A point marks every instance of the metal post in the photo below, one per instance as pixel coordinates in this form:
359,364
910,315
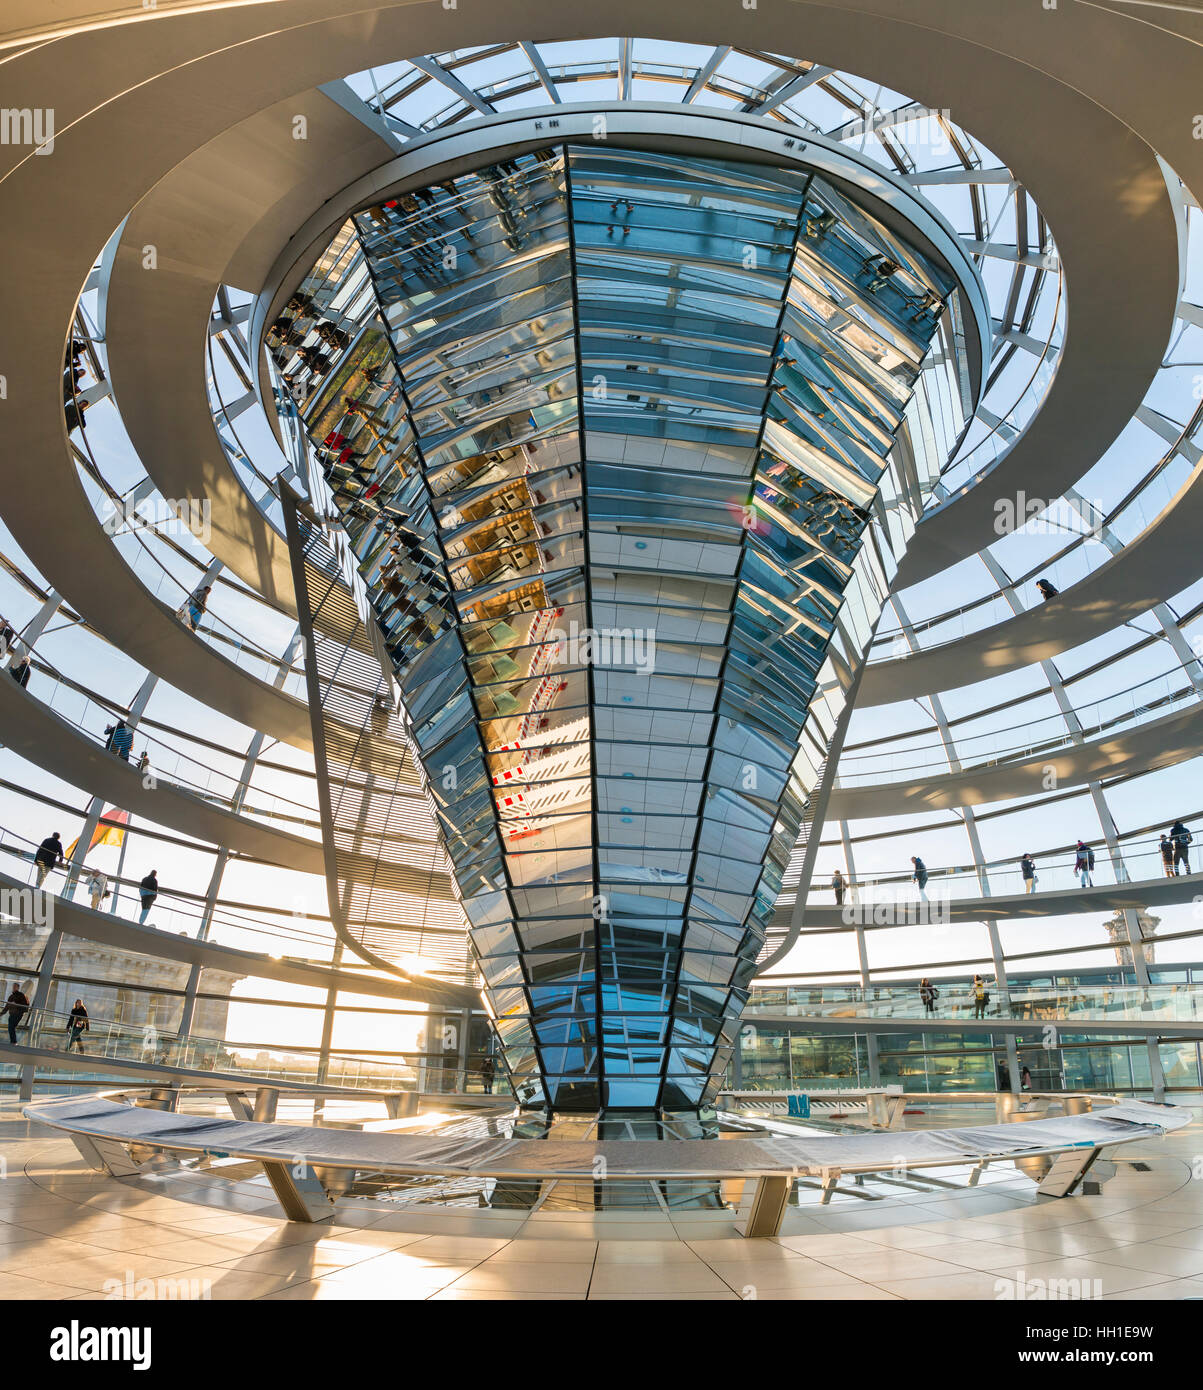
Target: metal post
323,1056
465,1028
862,954
36,626
96,806
46,968
1000,975
761,1213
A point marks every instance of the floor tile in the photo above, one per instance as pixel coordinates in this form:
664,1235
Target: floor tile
529,1278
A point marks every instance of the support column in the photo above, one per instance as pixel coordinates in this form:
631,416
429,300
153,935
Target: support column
862,952
1110,833
222,858
1000,976
36,626
96,806
465,1031
323,1056
1140,965
41,993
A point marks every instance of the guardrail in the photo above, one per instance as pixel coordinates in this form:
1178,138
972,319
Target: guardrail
1106,1003
146,1045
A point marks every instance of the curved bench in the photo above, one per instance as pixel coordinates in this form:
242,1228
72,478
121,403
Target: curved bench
770,1163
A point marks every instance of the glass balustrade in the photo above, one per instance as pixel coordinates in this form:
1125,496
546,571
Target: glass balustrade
1085,1003
69,702
1138,861
146,1045
1156,698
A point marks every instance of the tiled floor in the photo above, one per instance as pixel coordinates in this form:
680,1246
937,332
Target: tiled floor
69,1233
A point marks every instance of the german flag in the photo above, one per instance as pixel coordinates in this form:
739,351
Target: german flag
110,830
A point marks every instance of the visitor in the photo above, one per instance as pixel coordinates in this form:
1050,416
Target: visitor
49,853
144,763
1084,865
1025,1080
838,885
1027,867
980,997
197,602
74,411
1004,1077
98,888
16,1007
77,1026
381,710
881,268
119,739
1180,838
486,1074
1167,855
1047,590
819,227
919,877
149,888
19,671
928,993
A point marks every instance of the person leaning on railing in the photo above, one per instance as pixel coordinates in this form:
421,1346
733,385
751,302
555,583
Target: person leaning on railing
49,853
1180,838
149,891
16,1007
77,1025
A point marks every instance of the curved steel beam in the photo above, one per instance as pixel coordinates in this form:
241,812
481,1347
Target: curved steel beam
1160,743
110,930
219,218
1147,571
1156,892
35,732
189,79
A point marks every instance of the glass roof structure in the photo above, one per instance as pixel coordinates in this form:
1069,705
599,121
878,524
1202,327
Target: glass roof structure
923,771
997,217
